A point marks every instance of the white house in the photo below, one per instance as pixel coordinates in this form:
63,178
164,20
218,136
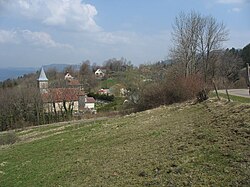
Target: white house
68,76
99,73
104,91
89,103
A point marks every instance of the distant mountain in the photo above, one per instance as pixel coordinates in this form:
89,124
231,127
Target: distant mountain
12,73
61,67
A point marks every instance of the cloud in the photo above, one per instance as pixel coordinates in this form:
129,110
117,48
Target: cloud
68,14
235,10
7,36
112,38
41,39
232,1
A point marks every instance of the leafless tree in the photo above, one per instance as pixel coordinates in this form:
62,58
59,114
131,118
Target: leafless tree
116,65
212,36
20,107
195,37
86,76
185,35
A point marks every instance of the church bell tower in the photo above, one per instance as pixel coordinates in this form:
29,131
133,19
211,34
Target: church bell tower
43,82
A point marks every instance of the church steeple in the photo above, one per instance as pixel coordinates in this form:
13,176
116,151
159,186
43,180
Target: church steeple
43,82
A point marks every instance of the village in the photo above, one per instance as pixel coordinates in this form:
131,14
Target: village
72,97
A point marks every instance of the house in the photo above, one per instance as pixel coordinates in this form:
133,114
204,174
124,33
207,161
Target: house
90,103
68,77
70,98
104,91
100,73
72,82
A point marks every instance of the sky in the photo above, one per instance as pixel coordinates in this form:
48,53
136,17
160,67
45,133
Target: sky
34,33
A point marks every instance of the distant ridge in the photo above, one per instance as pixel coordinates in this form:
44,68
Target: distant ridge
61,67
12,73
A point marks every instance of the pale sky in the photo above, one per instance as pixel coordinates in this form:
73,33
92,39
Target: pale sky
40,32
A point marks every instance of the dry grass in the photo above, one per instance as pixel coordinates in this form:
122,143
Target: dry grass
179,145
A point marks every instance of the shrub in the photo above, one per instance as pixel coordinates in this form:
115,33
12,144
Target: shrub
169,91
202,96
102,96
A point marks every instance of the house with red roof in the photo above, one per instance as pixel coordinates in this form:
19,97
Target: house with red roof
71,98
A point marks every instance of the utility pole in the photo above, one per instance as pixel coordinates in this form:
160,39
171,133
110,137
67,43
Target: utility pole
248,78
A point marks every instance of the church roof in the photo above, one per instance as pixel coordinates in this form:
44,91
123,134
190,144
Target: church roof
61,94
42,76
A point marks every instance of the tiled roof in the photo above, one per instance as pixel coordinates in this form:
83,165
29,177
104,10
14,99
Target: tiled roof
61,94
90,100
104,91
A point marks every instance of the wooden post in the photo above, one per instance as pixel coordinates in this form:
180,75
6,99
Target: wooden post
228,98
216,91
248,78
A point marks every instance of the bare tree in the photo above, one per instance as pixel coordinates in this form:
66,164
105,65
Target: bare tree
20,107
116,65
185,35
86,76
213,34
195,37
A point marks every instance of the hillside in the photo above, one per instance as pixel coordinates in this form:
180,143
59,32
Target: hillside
15,72
179,145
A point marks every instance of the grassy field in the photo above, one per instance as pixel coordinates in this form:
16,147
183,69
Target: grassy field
233,98
115,105
180,145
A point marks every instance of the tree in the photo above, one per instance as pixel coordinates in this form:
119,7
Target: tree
246,54
212,36
195,39
115,65
86,76
20,107
185,35
56,78
228,66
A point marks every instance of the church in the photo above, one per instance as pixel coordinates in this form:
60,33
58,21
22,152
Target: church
70,98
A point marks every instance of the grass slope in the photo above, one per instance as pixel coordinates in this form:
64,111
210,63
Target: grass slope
233,98
180,145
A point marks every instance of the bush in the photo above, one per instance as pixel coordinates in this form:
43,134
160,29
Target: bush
172,90
9,137
103,97
202,96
